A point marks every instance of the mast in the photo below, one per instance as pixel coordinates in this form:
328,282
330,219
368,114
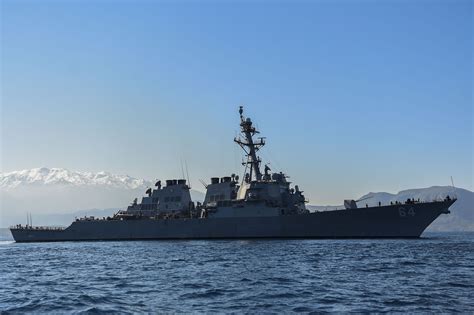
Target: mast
250,146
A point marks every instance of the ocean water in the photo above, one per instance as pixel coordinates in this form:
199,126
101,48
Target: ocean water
432,274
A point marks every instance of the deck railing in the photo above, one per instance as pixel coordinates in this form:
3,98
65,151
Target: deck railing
37,228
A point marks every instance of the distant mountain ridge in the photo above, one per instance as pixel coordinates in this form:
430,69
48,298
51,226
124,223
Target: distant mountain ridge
61,176
424,194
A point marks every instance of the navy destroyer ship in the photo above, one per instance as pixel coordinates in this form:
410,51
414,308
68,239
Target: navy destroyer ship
260,205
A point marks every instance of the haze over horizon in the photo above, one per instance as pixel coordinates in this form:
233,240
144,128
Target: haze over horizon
352,97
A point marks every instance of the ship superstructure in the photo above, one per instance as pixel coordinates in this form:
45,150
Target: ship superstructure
255,194
267,194
174,199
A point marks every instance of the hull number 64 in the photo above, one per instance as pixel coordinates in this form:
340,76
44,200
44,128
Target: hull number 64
404,212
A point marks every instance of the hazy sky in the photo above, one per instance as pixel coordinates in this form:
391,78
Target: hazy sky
354,96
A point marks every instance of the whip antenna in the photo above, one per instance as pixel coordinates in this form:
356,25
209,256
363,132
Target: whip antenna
187,173
182,169
454,188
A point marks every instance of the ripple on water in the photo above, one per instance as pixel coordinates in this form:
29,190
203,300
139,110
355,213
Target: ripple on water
208,293
251,276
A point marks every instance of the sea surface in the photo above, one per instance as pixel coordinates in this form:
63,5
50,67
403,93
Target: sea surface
432,274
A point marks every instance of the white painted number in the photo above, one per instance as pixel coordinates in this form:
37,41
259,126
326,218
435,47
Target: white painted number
403,212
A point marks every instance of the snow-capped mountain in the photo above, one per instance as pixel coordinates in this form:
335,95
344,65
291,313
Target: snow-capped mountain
61,176
55,193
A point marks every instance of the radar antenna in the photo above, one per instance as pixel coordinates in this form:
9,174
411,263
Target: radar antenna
250,146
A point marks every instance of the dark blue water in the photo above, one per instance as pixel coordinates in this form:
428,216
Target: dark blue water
434,274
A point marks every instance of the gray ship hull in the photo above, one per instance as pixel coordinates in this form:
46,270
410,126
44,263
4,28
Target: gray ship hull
395,221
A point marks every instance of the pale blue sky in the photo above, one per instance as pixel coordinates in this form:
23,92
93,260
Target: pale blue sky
354,96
